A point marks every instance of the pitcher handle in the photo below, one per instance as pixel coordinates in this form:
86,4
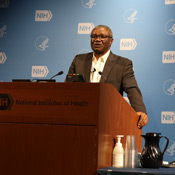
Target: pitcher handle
166,144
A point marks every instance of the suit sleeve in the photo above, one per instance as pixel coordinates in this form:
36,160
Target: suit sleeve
131,88
72,68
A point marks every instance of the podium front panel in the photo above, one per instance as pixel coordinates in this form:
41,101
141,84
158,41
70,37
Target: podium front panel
56,103
34,149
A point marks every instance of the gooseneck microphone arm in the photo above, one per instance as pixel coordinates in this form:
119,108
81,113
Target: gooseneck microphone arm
47,80
59,73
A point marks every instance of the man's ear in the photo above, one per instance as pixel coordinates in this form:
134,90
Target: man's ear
111,41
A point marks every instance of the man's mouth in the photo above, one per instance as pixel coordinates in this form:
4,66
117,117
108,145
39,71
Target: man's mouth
97,45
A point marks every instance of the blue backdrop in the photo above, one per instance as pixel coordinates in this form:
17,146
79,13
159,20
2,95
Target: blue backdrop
39,38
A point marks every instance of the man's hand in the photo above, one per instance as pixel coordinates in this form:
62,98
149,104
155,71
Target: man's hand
143,119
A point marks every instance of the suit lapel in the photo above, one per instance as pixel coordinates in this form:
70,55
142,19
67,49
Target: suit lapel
87,67
108,66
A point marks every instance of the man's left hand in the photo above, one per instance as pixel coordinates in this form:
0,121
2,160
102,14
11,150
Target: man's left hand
143,119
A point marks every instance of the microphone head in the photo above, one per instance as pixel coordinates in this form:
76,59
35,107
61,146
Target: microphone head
93,70
60,73
100,72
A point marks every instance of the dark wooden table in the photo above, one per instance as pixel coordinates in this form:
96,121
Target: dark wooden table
135,171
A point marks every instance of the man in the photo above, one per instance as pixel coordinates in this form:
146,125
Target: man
103,66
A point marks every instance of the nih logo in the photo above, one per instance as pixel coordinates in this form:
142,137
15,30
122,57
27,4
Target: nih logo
171,148
169,87
39,71
168,57
168,2
168,117
41,43
2,57
85,28
43,15
128,44
130,15
88,3
6,101
2,30
170,27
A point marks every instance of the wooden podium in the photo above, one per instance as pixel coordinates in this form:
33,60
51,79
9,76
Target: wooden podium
61,128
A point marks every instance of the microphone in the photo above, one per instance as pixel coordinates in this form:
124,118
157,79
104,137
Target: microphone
48,80
59,73
101,73
93,70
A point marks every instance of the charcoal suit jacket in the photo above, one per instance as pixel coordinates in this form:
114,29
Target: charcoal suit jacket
117,71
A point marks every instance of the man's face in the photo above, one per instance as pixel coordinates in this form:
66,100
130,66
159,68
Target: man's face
101,41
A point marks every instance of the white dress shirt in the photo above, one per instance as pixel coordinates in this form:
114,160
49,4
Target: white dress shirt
98,66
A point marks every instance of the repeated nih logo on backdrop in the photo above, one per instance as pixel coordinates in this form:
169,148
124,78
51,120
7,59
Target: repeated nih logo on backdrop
168,117
88,3
43,15
128,44
2,30
169,87
85,28
39,71
41,43
130,15
168,57
168,2
171,148
170,27
2,57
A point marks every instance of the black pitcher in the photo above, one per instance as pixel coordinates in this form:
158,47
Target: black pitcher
151,156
